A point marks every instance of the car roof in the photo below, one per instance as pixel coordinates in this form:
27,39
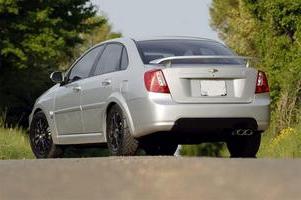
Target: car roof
127,40
138,39
173,37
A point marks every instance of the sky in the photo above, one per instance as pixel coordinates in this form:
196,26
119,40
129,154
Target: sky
143,18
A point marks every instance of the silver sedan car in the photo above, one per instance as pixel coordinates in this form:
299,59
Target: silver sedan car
153,94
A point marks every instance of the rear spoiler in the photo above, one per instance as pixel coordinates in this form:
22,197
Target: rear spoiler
168,60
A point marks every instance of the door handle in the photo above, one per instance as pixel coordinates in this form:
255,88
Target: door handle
77,89
106,83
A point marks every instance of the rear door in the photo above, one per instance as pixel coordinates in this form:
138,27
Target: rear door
99,87
68,114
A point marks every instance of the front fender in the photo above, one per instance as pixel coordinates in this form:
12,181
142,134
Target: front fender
46,105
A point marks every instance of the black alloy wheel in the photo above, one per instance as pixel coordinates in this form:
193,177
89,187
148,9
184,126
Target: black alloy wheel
115,131
119,139
41,139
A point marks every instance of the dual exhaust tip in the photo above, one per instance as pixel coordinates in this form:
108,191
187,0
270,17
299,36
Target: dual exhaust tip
243,132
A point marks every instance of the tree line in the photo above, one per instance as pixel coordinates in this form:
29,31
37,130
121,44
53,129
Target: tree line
36,38
270,31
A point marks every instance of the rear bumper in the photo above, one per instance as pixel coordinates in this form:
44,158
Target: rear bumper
158,113
212,125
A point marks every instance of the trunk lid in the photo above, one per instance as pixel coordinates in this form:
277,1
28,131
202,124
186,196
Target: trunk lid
211,84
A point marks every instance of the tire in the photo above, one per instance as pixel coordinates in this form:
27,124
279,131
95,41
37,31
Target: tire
163,149
119,138
40,138
244,146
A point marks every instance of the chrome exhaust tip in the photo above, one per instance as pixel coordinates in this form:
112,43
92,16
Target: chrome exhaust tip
243,132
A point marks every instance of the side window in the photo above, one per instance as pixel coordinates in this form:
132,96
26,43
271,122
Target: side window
110,60
83,67
124,59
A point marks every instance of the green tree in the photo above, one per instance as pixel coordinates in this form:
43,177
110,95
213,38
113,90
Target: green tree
269,30
235,25
278,44
97,35
35,36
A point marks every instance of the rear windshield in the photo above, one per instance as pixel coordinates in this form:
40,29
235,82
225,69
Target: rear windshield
156,49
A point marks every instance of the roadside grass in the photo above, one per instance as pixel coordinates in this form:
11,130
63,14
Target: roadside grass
14,144
286,144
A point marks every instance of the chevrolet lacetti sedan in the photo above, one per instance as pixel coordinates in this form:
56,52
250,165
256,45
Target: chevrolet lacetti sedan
153,94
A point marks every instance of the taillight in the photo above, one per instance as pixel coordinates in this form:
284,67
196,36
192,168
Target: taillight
262,85
155,82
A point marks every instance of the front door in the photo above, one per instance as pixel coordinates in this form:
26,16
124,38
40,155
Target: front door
68,110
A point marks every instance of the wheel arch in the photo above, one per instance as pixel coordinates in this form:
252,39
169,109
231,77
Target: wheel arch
117,99
37,110
34,111
50,120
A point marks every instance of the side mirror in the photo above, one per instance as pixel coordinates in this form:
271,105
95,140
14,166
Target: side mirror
57,77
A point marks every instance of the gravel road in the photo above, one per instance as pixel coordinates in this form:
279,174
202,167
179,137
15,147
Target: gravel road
146,178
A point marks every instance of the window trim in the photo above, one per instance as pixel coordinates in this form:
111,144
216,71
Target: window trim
127,58
98,59
142,57
66,77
